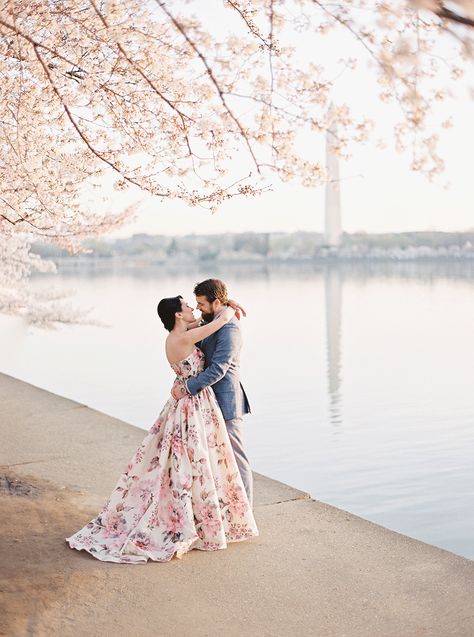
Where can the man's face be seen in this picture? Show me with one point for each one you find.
(207, 309)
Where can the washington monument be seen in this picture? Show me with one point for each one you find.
(332, 218)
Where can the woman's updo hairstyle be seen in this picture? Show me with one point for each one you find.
(167, 309)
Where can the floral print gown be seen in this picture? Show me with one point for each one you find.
(181, 490)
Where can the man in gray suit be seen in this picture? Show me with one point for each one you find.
(222, 356)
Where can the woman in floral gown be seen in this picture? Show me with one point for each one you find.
(181, 489)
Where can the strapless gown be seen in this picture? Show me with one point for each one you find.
(181, 489)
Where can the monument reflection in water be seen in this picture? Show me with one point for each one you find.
(333, 296)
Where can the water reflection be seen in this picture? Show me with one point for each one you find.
(333, 297)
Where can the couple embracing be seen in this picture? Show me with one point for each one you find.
(189, 484)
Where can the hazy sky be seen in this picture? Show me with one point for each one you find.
(378, 191)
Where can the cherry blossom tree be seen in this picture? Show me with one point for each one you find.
(161, 97)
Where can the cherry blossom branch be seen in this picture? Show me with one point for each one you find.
(447, 14)
(79, 131)
(35, 43)
(383, 65)
(250, 23)
(140, 71)
(213, 80)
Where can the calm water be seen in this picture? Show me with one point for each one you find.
(360, 377)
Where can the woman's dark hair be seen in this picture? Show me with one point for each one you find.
(212, 289)
(167, 309)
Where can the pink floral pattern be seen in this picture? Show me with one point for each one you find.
(180, 491)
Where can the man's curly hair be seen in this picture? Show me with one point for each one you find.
(212, 289)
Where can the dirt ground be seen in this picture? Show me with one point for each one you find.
(37, 566)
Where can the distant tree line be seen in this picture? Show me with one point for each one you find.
(269, 246)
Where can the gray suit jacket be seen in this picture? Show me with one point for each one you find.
(222, 357)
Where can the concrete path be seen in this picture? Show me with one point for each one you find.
(314, 570)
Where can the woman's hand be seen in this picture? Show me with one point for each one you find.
(228, 313)
(239, 310)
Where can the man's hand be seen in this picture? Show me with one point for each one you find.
(178, 390)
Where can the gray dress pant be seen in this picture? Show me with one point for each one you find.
(234, 429)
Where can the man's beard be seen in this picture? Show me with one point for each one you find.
(207, 316)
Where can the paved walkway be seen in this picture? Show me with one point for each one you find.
(314, 570)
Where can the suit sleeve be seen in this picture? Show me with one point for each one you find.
(228, 342)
